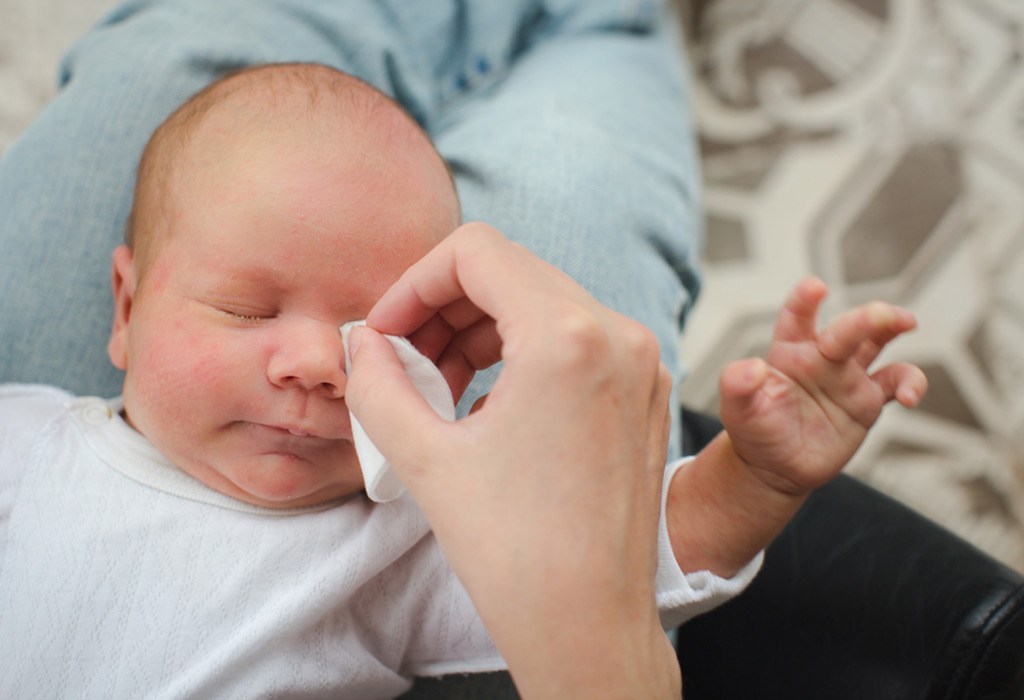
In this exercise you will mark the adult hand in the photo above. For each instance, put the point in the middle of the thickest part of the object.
(546, 499)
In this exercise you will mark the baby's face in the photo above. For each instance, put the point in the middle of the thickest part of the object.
(235, 368)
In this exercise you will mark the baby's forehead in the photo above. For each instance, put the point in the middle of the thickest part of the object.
(320, 112)
(304, 99)
(307, 116)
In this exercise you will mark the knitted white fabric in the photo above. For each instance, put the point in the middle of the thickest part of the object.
(382, 484)
(121, 576)
(684, 596)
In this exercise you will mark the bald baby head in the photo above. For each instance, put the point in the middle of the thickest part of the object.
(315, 108)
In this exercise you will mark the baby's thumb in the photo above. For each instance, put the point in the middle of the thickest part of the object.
(379, 393)
(738, 386)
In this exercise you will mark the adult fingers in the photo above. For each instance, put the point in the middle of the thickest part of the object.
(476, 262)
(469, 351)
(433, 336)
(660, 407)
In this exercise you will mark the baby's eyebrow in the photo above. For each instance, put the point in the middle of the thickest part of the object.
(253, 275)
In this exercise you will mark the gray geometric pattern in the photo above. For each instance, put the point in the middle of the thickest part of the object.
(878, 144)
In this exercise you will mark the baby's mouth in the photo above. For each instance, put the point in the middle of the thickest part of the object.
(299, 432)
(304, 433)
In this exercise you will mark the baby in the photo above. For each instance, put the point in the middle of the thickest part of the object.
(270, 209)
(204, 535)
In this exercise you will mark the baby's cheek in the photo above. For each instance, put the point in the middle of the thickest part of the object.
(208, 363)
(182, 367)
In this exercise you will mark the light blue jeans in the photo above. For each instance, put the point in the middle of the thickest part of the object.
(565, 122)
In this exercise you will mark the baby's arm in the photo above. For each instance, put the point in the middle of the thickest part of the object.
(791, 424)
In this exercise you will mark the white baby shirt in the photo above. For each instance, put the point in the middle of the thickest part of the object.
(120, 576)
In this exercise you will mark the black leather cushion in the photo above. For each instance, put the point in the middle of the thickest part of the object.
(862, 598)
(472, 686)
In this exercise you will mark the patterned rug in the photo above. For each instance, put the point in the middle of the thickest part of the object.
(879, 145)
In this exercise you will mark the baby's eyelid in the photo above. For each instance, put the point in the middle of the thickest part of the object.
(248, 317)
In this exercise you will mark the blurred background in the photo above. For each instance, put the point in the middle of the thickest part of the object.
(878, 144)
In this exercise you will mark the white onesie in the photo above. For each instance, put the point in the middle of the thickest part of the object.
(121, 576)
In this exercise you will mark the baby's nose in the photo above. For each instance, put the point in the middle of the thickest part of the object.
(309, 355)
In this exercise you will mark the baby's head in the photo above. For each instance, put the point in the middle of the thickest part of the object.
(271, 208)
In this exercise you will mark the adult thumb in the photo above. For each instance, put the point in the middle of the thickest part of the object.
(405, 420)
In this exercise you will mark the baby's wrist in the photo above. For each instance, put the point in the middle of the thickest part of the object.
(720, 514)
(757, 485)
(774, 485)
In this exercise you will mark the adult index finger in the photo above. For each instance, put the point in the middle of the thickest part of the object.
(476, 262)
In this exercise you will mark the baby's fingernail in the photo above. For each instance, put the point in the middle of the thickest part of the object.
(910, 397)
(881, 314)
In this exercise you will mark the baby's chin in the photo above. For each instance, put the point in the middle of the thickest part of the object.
(282, 481)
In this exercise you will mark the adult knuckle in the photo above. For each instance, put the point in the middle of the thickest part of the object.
(640, 342)
(581, 340)
(664, 379)
(478, 231)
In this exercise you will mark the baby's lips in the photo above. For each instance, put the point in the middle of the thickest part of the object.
(339, 428)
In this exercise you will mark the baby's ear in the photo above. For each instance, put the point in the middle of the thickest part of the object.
(123, 283)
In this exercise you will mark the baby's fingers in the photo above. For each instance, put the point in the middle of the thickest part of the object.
(903, 382)
(861, 333)
(798, 318)
(739, 385)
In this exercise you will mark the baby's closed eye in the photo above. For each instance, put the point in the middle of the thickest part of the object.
(247, 315)
(241, 309)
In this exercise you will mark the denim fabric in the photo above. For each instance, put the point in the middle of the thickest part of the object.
(565, 122)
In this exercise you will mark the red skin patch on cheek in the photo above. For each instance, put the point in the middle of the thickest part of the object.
(183, 363)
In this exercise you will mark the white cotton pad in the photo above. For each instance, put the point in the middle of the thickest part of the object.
(382, 485)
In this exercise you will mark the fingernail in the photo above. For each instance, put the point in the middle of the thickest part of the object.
(910, 397)
(354, 338)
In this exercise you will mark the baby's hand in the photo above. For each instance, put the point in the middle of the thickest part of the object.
(797, 419)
